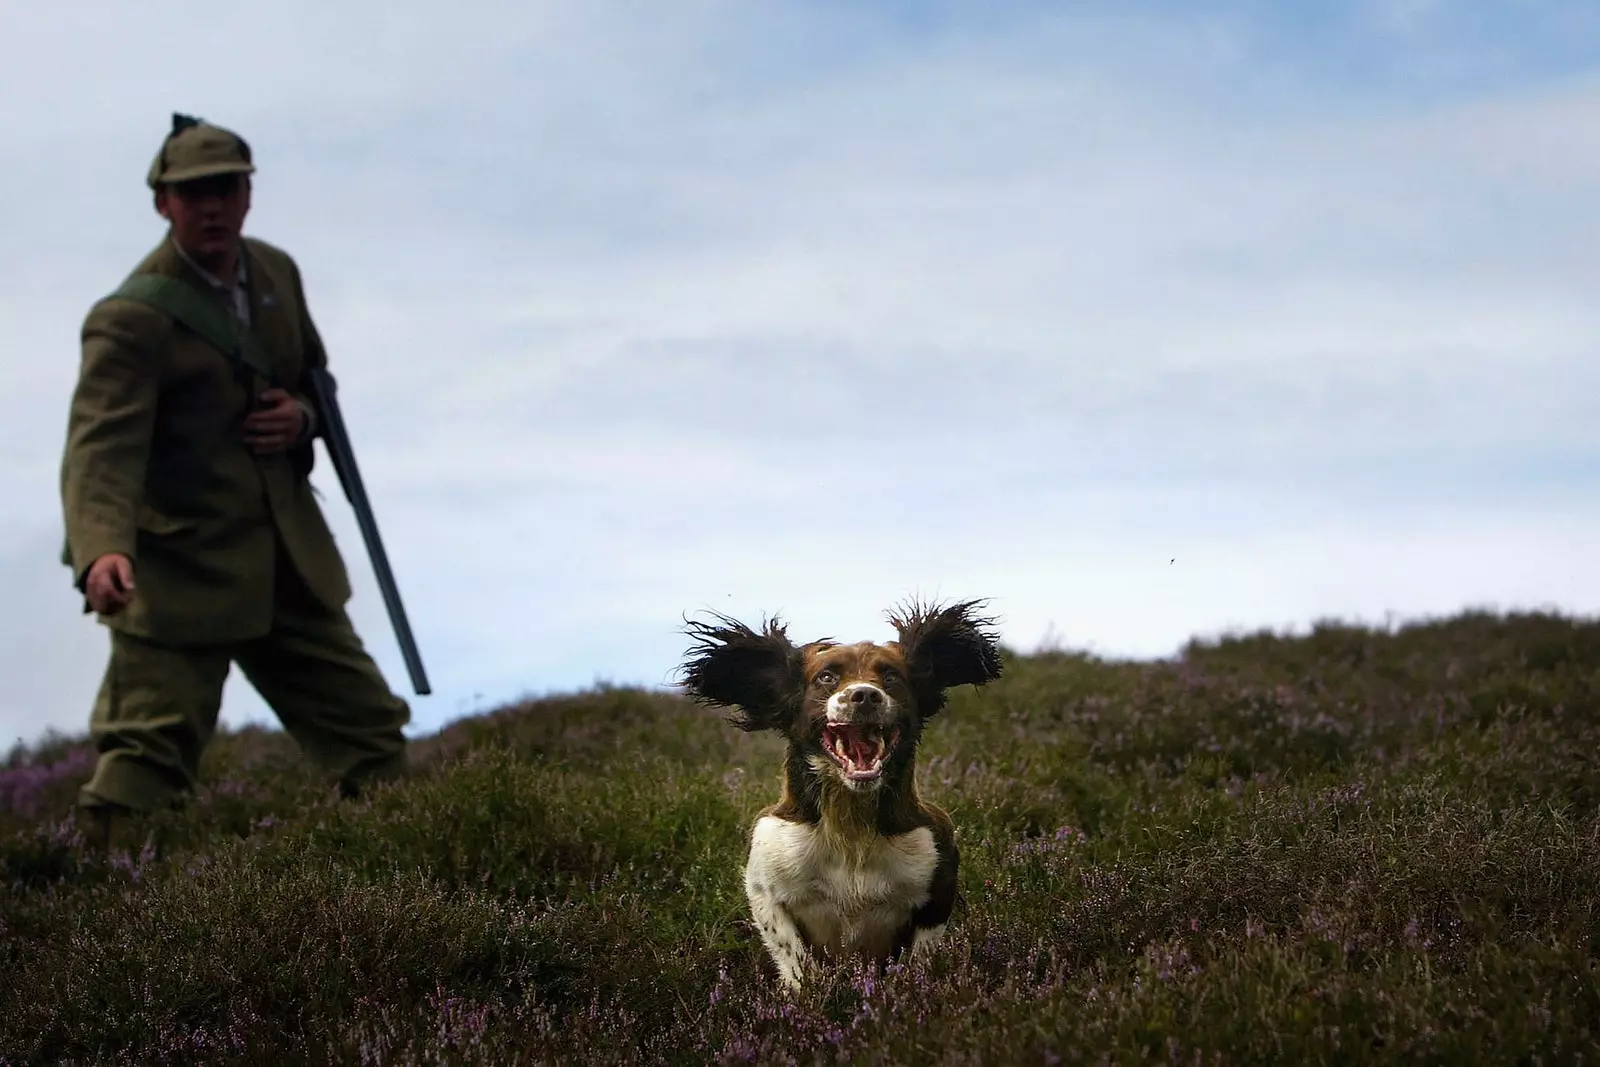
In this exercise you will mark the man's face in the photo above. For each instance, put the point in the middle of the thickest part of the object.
(207, 214)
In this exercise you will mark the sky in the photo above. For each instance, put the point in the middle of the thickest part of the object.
(1145, 322)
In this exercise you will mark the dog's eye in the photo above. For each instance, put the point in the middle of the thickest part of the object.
(891, 676)
(828, 679)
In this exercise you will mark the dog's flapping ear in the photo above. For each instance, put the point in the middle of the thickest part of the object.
(946, 647)
(760, 673)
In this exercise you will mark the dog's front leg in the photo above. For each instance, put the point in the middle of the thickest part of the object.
(777, 862)
(781, 935)
(923, 940)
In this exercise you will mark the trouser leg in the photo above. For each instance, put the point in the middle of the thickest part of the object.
(316, 675)
(155, 713)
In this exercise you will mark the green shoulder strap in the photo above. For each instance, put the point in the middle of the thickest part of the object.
(192, 308)
(202, 315)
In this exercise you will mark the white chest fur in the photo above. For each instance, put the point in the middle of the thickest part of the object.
(848, 896)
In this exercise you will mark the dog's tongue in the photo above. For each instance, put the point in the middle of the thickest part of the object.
(861, 747)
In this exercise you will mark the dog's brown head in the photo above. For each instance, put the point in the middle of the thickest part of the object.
(854, 712)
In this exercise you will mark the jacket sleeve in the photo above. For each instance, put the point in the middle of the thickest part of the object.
(109, 428)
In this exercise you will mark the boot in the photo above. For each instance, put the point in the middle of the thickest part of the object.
(106, 825)
(95, 824)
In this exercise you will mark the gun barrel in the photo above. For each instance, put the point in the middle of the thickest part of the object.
(344, 464)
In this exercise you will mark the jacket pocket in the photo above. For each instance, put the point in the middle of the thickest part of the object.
(160, 524)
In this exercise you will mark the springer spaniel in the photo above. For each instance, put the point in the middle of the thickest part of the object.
(850, 861)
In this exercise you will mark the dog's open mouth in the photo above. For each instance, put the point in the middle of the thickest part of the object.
(858, 748)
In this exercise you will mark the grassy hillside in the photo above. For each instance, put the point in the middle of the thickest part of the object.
(1349, 847)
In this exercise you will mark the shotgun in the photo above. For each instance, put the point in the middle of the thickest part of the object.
(333, 433)
(246, 352)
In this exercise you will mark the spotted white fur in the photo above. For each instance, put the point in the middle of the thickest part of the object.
(847, 896)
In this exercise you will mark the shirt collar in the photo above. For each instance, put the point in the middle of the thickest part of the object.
(241, 276)
(238, 294)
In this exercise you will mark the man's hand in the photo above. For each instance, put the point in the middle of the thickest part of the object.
(109, 585)
(277, 425)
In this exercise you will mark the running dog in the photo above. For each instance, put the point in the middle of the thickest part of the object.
(850, 860)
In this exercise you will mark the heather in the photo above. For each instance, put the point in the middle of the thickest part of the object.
(1354, 845)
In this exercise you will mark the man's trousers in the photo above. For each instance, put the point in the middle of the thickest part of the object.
(158, 704)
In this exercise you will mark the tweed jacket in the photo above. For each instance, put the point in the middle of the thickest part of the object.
(156, 467)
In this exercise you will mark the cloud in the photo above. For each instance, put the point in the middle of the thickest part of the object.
(1144, 326)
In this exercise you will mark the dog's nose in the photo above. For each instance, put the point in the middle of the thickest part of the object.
(866, 697)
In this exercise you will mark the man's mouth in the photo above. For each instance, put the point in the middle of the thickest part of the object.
(859, 749)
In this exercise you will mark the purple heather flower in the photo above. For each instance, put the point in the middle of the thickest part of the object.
(23, 789)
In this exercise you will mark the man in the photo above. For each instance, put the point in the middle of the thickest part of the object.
(192, 530)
